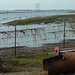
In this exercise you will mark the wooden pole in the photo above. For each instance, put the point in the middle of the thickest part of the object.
(0, 64)
(64, 35)
(15, 40)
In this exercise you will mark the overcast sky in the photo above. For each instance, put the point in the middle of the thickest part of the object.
(31, 4)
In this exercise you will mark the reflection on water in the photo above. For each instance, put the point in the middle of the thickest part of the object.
(35, 35)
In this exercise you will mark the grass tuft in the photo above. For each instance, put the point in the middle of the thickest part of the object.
(24, 63)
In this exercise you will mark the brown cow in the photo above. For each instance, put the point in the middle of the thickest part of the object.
(60, 64)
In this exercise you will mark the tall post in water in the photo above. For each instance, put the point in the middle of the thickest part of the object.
(64, 34)
(15, 40)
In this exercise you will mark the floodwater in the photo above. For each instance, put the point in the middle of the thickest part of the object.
(6, 16)
(35, 35)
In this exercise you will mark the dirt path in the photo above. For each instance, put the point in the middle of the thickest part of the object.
(36, 71)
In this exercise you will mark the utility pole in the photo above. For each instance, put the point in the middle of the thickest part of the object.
(37, 6)
(15, 40)
(64, 35)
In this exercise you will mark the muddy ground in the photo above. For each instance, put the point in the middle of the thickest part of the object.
(34, 72)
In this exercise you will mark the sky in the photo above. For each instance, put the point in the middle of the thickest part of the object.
(31, 4)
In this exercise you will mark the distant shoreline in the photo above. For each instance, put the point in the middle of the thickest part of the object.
(45, 20)
(29, 11)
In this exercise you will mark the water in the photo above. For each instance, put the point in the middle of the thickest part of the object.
(34, 35)
(6, 16)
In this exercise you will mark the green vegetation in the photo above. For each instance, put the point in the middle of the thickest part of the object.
(24, 63)
(46, 19)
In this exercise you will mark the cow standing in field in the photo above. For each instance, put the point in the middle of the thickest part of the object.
(60, 64)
